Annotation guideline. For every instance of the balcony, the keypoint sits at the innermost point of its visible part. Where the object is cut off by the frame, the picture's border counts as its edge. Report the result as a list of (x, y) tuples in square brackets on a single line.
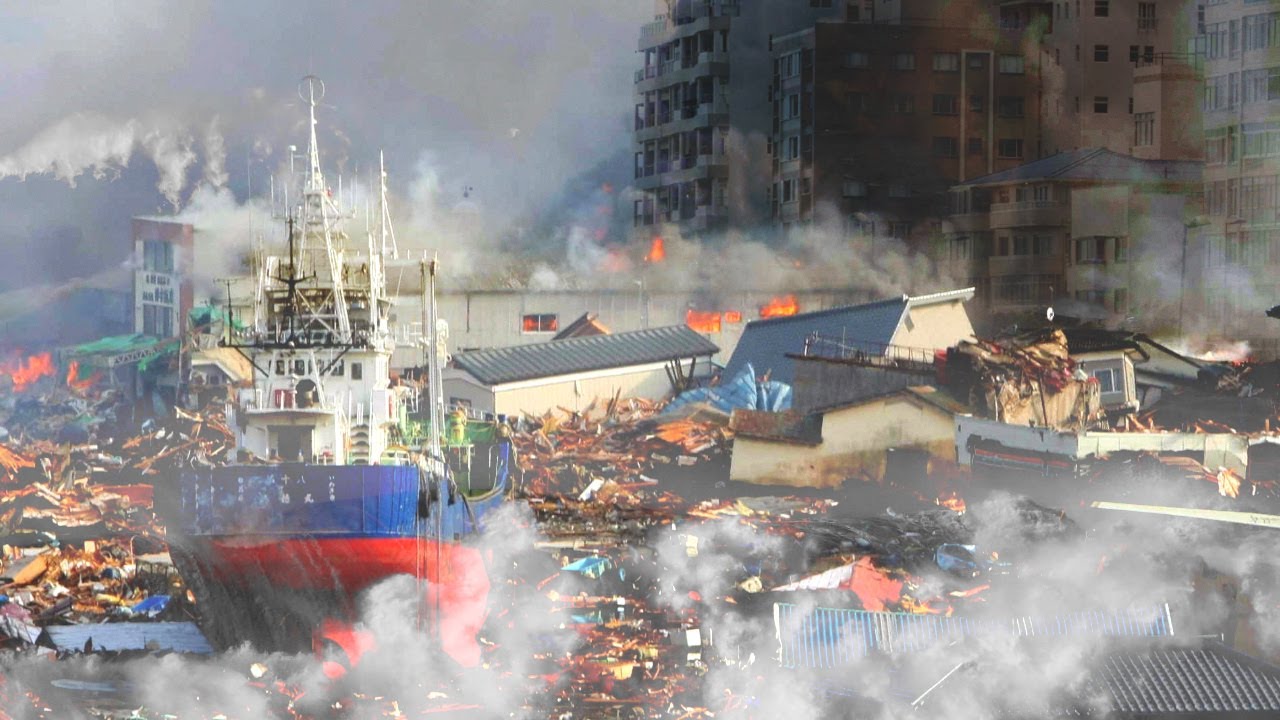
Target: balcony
[(713, 15), (1029, 213), (971, 222), (1022, 265), (673, 72)]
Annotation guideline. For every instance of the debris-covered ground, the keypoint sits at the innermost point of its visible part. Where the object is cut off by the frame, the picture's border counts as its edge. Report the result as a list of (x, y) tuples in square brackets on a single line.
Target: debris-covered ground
[(626, 582)]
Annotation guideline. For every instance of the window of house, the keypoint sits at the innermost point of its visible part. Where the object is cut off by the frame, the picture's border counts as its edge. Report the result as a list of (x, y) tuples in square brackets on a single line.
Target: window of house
[(1042, 245), (157, 320), (538, 323), (1011, 107), (1122, 249), (793, 147), (853, 188), (788, 191), (946, 62), (1134, 51), (157, 256), (1100, 104), (1009, 148), (976, 103), (857, 60), (1101, 8), (904, 104), (357, 371), (1106, 378), (1012, 65), (944, 147), (1091, 250), (1101, 53), (946, 105), (903, 61), (1146, 16), (1040, 193)]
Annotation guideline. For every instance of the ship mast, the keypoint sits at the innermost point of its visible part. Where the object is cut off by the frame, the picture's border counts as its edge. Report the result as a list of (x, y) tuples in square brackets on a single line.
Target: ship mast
[(320, 214)]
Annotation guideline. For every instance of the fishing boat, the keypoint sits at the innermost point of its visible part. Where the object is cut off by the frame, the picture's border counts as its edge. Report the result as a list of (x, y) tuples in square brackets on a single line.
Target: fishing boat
[(335, 487)]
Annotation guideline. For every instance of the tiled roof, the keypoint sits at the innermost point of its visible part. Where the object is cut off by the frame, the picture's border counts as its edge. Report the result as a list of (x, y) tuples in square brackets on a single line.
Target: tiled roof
[(1205, 680), (1094, 164), (786, 426), (766, 343), (583, 354)]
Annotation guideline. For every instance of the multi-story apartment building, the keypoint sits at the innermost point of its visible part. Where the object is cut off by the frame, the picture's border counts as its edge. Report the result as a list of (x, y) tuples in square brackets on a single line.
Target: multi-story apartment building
[(1241, 104), (1089, 231), (1089, 51), (874, 118), (699, 128)]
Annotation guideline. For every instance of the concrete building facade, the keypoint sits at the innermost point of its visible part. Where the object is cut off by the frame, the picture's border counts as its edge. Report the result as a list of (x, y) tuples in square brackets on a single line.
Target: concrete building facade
[(874, 120)]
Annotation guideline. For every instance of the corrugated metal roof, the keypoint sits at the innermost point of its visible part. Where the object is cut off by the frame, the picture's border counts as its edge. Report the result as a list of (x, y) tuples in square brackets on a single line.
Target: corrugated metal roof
[(1211, 679), (183, 637), (830, 637), (1094, 164), (870, 327), (583, 354)]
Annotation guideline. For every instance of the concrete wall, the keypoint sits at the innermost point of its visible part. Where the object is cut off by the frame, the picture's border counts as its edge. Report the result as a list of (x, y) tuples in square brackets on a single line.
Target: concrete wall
[(854, 442)]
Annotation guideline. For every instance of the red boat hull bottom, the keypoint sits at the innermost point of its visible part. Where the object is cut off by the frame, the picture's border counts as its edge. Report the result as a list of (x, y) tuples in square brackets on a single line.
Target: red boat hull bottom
[(457, 581)]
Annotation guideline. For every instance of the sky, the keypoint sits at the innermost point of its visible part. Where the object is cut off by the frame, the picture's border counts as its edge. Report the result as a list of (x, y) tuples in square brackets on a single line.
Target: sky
[(119, 109)]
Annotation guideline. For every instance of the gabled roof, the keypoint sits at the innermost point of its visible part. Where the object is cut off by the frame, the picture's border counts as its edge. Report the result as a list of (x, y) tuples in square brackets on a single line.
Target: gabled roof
[(1211, 680), (1094, 165), (766, 343), (583, 354)]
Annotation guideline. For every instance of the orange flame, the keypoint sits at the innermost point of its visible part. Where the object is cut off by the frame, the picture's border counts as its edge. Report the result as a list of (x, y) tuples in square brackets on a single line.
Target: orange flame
[(657, 251), (81, 384), (952, 502), (780, 307), (911, 605), (26, 371), (703, 321)]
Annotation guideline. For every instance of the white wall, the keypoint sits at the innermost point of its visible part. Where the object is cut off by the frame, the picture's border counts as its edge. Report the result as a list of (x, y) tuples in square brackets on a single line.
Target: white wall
[(573, 392)]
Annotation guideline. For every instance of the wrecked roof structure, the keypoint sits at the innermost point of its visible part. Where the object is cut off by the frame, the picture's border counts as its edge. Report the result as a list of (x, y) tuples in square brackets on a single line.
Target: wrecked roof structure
[(581, 354), (586, 325), (935, 321)]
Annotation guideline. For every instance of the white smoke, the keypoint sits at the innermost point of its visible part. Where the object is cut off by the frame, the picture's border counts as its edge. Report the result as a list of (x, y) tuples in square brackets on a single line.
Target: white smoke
[(93, 144), (215, 155)]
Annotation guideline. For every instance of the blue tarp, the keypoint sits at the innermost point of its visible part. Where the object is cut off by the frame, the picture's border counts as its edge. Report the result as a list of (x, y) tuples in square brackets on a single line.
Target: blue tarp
[(742, 391), (592, 567)]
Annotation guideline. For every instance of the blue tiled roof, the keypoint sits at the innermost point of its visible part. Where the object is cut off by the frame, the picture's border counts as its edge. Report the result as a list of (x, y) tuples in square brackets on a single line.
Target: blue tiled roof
[(869, 327), (765, 343), (830, 637), (583, 354), (1205, 680)]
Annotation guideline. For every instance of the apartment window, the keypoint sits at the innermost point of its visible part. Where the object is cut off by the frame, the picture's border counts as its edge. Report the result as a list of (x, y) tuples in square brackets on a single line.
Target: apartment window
[(1144, 129), (791, 106), (1107, 380), (1122, 249), (157, 256), (1146, 16), (1101, 53), (1091, 250), (853, 189), (1134, 51), (904, 104), (1012, 65), (1011, 107), (946, 105), (975, 146), (157, 320), (1042, 245), (1009, 148), (793, 148), (903, 61), (790, 66), (536, 323), (1021, 245), (976, 104), (357, 371), (944, 147), (946, 62), (788, 191), (1100, 104), (1040, 193), (1148, 53), (1261, 31), (857, 60), (1101, 8)]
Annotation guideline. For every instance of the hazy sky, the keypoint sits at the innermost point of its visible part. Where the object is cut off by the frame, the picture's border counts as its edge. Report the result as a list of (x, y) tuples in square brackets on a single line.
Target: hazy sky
[(135, 100)]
